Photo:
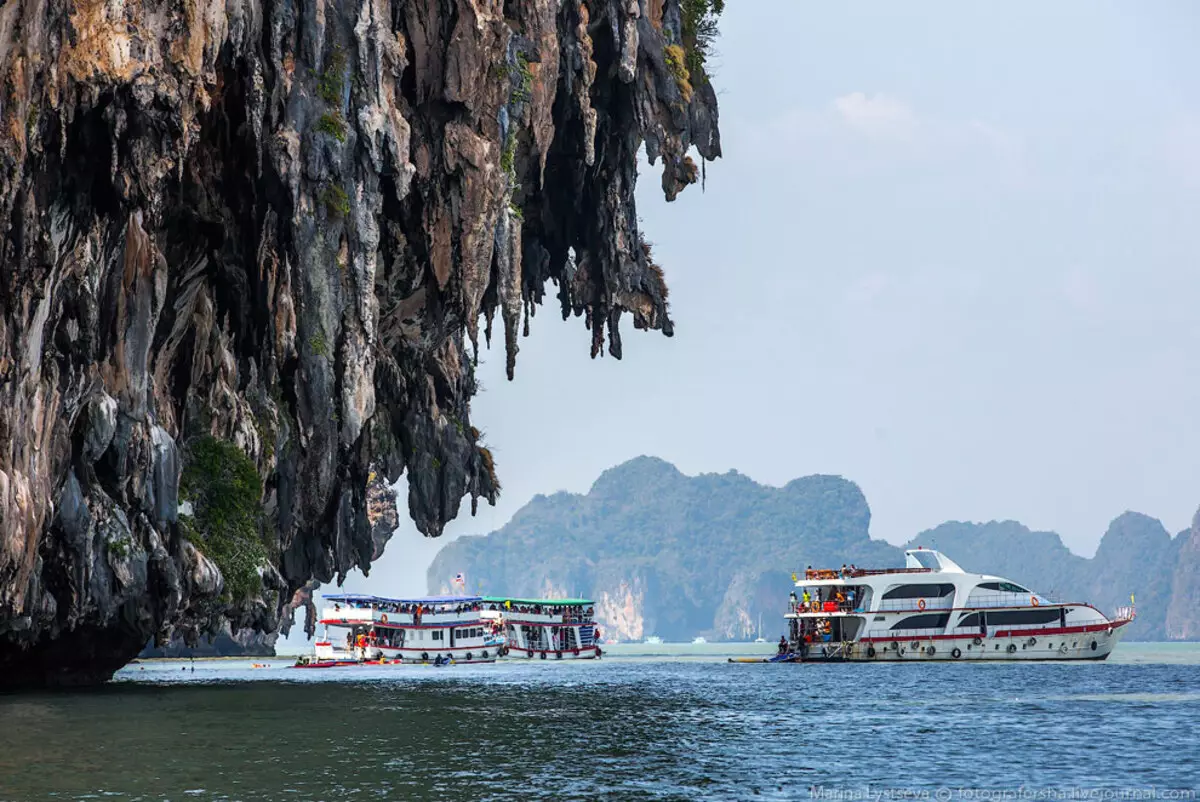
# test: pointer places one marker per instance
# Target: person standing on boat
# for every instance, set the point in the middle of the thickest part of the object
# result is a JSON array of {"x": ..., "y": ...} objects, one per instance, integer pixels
[
  {"x": 783, "y": 646},
  {"x": 806, "y": 598}
]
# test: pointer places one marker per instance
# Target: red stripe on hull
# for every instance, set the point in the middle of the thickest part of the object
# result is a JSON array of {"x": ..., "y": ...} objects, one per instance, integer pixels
[{"x": 1007, "y": 633}]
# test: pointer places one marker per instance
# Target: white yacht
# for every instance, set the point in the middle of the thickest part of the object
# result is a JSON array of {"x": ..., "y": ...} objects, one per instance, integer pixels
[
  {"x": 653, "y": 639},
  {"x": 934, "y": 610}
]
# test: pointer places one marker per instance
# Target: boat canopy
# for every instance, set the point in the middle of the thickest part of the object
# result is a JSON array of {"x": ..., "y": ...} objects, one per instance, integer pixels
[
  {"x": 930, "y": 559},
  {"x": 542, "y": 602},
  {"x": 353, "y": 598}
]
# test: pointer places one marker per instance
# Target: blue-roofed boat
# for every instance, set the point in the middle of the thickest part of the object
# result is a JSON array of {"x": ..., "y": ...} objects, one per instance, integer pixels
[{"x": 375, "y": 630}]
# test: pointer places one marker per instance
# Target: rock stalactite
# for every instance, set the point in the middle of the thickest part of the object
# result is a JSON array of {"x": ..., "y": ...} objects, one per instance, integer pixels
[{"x": 278, "y": 226}]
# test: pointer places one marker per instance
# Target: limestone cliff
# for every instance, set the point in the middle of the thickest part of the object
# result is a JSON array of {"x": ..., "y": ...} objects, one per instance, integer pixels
[
  {"x": 671, "y": 555},
  {"x": 280, "y": 227}
]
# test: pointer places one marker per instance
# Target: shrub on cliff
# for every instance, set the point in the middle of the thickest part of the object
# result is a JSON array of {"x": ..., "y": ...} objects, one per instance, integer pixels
[{"x": 225, "y": 492}]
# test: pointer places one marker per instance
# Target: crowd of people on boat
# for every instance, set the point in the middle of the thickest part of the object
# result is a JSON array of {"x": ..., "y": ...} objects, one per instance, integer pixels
[
  {"x": 571, "y": 613},
  {"x": 825, "y": 600},
  {"x": 371, "y": 638},
  {"x": 846, "y": 572},
  {"x": 416, "y": 608}
]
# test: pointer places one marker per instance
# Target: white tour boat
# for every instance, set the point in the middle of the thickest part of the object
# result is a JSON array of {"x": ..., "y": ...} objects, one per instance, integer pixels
[
  {"x": 558, "y": 629},
  {"x": 430, "y": 629},
  {"x": 934, "y": 610}
]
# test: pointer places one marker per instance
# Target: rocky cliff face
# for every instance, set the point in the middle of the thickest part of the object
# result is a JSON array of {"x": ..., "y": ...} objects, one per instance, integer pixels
[
  {"x": 281, "y": 226},
  {"x": 1183, "y": 613}
]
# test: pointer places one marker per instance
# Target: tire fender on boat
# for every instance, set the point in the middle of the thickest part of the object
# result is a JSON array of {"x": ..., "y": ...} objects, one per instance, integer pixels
[
  {"x": 558, "y": 655},
  {"x": 1032, "y": 642},
  {"x": 1012, "y": 647},
  {"x": 978, "y": 641},
  {"x": 470, "y": 655},
  {"x": 930, "y": 650},
  {"x": 870, "y": 651},
  {"x": 425, "y": 656},
  {"x": 956, "y": 653}
]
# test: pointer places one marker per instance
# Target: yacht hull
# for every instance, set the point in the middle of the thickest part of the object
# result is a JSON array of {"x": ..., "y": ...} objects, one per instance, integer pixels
[{"x": 1090, "y": 643}]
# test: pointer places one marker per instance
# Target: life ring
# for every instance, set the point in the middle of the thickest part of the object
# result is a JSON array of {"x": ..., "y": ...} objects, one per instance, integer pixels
[
  {"x": 920, "y": 604},
  {"x": 956, "y": 653},
  {"x": 1012, "y": 647},
  {"x": 1033, "y": 600},
  {"x": 383, "y": 618}
]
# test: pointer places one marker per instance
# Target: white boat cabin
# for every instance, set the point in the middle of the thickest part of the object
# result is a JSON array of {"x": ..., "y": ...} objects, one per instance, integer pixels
[{"x": 428, "y": 629}]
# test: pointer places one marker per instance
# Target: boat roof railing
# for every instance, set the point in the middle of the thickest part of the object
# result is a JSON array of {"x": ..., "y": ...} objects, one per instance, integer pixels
[
  {"x": 355, "y": 597},
  {"x": 542, "y": 602},
  {"x": 917, "y": 561}
]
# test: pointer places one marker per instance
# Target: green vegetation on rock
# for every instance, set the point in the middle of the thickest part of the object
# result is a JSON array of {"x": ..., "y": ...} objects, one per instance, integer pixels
[
  {"x": 225, "y": 491},
  {"x": 699, "y": 19},
  {"x": 332, "y": 124}
]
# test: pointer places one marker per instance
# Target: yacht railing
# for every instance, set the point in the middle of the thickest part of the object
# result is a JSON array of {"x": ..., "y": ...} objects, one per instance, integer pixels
[{"x": 913, "y": 605}]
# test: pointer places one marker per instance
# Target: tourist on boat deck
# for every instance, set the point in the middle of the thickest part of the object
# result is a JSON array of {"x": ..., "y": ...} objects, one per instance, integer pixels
[{"x": 850, "y": 599}]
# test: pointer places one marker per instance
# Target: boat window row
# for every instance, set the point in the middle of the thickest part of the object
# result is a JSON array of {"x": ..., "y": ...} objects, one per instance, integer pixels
[
  {"x": 1014, "y": 618},
  {"x": 920, "y": 591},
  {"x": 469, "y": 632}
]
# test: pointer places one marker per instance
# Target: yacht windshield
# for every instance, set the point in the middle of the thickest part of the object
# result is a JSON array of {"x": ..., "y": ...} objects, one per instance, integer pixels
[{"x": 927, "y": 559}]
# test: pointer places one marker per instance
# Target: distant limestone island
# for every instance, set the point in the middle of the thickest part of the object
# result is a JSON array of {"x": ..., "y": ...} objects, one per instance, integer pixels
[{"x": 675, "y": 556}]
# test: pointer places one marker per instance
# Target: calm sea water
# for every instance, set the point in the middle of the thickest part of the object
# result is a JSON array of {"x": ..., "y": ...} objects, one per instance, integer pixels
[{"x": 678, "y": 723}]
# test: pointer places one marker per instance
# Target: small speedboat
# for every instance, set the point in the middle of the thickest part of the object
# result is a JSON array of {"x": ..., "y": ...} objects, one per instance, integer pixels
[{"x": 699, "y": 639}]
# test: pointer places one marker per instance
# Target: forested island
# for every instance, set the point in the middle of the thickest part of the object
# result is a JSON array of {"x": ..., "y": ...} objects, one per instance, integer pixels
[{"x": 678, "y": 556}]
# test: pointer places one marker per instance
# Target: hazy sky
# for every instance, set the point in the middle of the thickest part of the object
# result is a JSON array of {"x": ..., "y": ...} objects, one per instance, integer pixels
[{"x": 951, "y": 254}]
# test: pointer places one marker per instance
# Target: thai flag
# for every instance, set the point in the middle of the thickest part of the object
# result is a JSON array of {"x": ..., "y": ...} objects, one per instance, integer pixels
[{"x": 460, "y": 580}]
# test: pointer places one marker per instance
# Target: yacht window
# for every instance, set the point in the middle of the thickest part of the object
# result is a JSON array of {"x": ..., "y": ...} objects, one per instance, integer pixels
[
  {"x": 924, "y": 621},
  {"x": 971, "y": 620},
  {"x": 930, "y": 591},
  {"x": 1003, "y": 587},
  {"x": 1008, "y": 618}
]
